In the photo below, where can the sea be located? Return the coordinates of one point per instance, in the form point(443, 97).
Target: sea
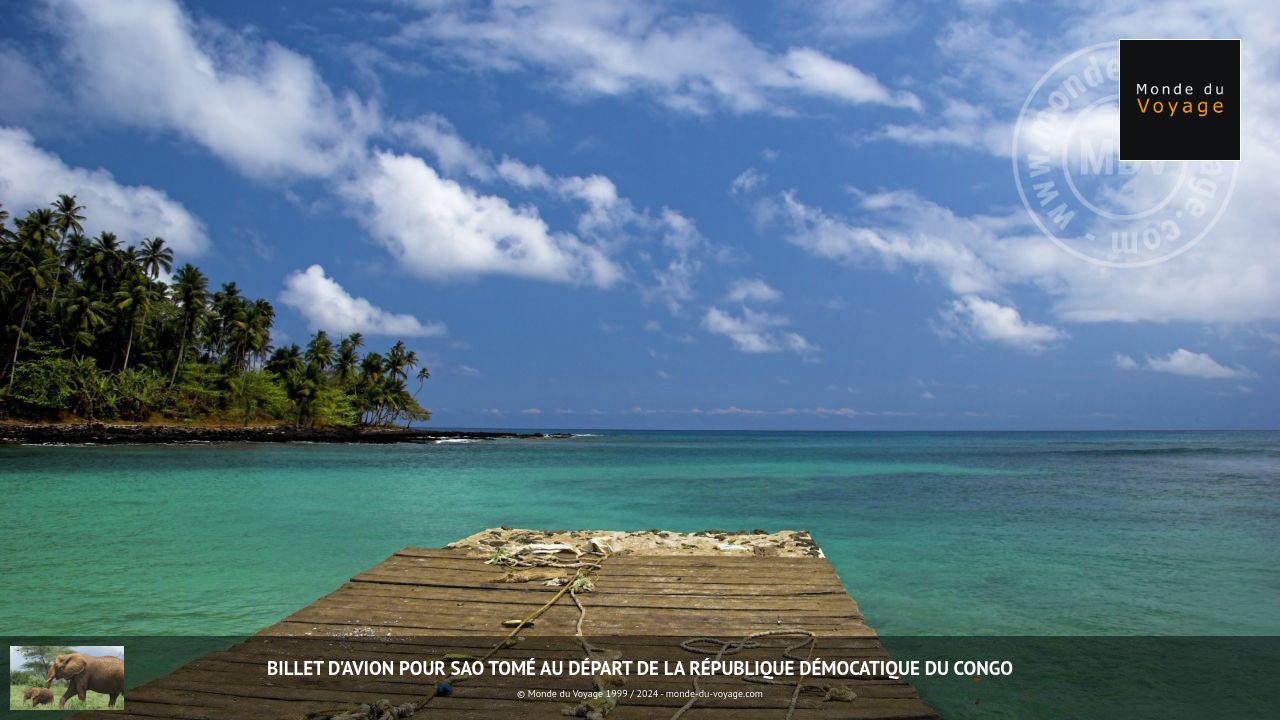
point(1038, 539)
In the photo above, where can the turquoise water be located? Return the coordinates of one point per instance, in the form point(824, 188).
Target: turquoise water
point(933, 534)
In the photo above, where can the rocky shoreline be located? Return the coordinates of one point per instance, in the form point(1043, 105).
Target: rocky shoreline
point(114, 434)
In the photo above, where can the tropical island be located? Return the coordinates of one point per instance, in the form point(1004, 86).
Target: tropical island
point(100, 343)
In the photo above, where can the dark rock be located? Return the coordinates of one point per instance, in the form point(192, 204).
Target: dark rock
point(101, 434)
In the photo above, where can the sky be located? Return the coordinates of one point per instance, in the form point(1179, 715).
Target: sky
point(17, 660)
point(791, 215)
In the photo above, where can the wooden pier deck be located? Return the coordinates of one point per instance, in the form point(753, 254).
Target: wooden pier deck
point(424, 602)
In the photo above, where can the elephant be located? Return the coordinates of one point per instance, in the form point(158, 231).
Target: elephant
point(88, 672)
point(38, 696)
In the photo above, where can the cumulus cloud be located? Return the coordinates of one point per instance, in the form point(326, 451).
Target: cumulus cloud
point(909, 232)
point(455, 156)
point(31, 177)
point(1186, 363)
point(327, 306)
point(973, 316)
point(611, 222)
point(266, 111)
point(259, 106)
point(693, 63)
point(1229, 274)
point(756, 332)
point(1229, 277)
point(751, 290)
point(439, 228)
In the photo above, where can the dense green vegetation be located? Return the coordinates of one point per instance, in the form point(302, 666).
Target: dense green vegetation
point(90, 331)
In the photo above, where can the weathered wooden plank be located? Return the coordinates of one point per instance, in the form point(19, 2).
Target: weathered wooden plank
point(423, 602)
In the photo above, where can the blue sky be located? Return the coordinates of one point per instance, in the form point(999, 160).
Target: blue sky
point(18, 661)
point(690, 215)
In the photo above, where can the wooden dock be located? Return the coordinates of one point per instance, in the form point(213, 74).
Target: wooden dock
point(424, 602)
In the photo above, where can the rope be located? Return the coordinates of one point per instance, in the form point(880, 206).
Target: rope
point(830, 691)
point(600, 706)
point(384, 710)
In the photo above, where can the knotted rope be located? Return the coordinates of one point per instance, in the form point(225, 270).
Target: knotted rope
point(721, 648)
point(581, 582)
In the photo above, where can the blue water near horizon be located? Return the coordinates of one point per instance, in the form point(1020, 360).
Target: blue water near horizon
point(999, 533)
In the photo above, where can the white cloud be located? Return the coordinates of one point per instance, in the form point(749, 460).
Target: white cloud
point(853, 20)
point(747, 180)
point(266, 110)
point(845, 412)
point(1187, 363)
point(731, 410)
point(1226, 278)
point(987, 320)
point(1125, 362)
point(692, 63)
point(454, 155)
point(440, 229)
point(531, 411)
point(755, 332)
point(751, 290)
point(257, 105)
point(31, 177)
point(612, 222)
point(326, 305)
point(993, 63)
point(925, 236)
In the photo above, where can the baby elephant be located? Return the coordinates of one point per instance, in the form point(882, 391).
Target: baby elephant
point(38, 696)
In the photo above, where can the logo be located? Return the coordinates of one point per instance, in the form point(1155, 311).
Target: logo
point(1101, 209)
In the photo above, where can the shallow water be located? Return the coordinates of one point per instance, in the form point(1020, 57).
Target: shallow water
point(933, 534)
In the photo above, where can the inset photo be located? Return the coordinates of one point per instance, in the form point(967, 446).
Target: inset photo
point(66, 677)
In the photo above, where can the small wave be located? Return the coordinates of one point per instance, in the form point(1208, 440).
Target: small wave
point(1181, 451)
point(586, 434)
point(447, 441)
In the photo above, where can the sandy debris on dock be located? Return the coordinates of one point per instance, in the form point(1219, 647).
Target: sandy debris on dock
point(785, 543)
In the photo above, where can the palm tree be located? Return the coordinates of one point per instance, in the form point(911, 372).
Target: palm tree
point(102, 260)
point(301, 387)
point(423, 375)
point(67, 217)
point(320, 351)
point(84, 314)
point(132, 300)
point(400, 360)
point(77, 254)
point(154, 257)
point(191, 290)
point(32, 266)
point(285, 360)
point(258, 330)
point(346, 360)
point(228, 305)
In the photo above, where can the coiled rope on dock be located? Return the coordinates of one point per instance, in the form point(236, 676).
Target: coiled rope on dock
point(720, 648)
point(581, 582)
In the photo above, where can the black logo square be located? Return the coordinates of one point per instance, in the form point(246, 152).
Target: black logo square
point(1179, 99)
